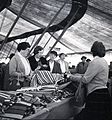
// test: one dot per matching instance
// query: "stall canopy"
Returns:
(96, 24)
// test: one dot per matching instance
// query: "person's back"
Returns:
(99, 66)
(98, 100)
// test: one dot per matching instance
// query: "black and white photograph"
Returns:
(55, 59)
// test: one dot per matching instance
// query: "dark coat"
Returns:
(34, 64)
(2, 75)
(6, 78)
(56, 68)
(81, 67)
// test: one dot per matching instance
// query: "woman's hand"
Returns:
(38, 67)
(74, 77)
(45, 66)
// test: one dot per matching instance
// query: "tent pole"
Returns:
(17, 18)
(53, 19)
(51, 35)
(33, 40)
(64, 30)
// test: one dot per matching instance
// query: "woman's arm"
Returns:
(75, 77)
(13, 68)
(92, 70)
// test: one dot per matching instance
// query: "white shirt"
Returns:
(37, 59)
(26, 64)
(51, 64)
(62, 65)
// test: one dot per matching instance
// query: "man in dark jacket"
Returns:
(82, 66)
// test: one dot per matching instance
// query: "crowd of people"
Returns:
(20, 68)
(93, 74)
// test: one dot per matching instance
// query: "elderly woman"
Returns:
(97, 105)
(19, 67)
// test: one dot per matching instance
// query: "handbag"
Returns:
(80, 95)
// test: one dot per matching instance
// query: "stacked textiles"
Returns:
(18, 105)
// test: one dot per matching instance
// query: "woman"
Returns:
(19, 67)
(97, 105)
(37, 61)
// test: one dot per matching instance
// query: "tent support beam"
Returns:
(13, 25)
(64, 30)
(60, 41)
(53, 19)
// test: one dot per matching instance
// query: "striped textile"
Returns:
(3, 96)
(44, 77)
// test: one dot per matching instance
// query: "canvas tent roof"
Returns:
(96, 24)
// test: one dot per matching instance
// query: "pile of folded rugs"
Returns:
(27, 101)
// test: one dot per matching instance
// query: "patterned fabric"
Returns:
(15, 105)
(44, 78)
(3, 96)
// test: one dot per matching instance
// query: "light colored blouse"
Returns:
(96, 76)
(26, 64)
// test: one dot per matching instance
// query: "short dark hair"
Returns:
(88, 60)
(61, 54)
(37, 49)
(83, 57)
(23, 46)
(98, 49)
(54, 52)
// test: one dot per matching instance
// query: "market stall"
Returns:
(43, 102)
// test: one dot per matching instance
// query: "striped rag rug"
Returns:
(44, 77)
